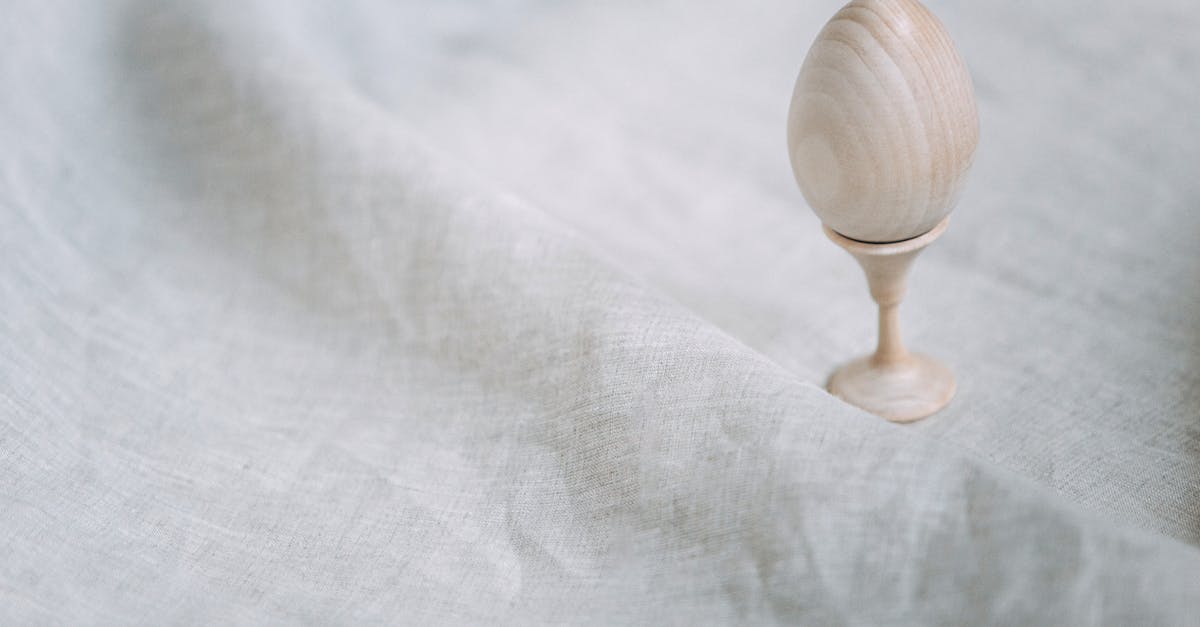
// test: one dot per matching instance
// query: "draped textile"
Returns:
(458, 312)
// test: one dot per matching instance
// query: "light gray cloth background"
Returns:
(448, 312)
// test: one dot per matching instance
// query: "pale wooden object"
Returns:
(882, 132)
(892, 383)
(883, 126)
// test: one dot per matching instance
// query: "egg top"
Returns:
(883, 125)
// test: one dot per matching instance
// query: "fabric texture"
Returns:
(511, 312)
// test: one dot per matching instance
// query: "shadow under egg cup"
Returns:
(892, 382)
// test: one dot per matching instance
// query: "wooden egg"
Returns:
(883, 126)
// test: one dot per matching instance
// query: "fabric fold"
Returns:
(282, 360)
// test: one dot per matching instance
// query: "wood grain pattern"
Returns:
(883, 124)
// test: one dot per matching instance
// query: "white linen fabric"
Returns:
(366, 312)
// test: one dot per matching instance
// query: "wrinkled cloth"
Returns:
(511, 312)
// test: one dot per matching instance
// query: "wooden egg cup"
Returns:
(892, 383)
(882, 131)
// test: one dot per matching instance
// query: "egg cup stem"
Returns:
(892, 383)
